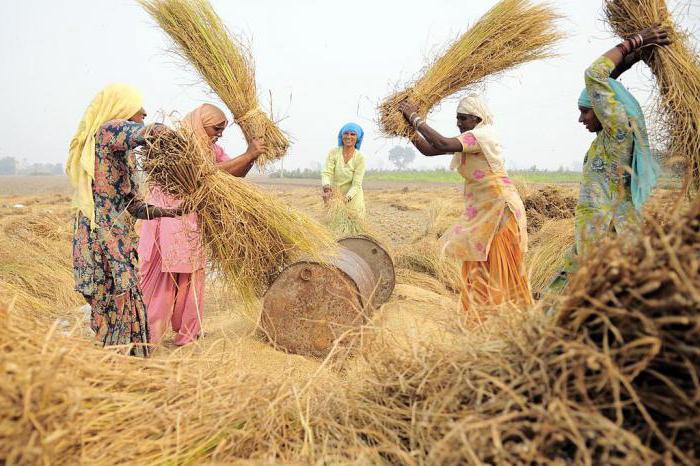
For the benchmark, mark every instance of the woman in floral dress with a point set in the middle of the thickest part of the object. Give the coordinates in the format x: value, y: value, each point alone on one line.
x: 101, y: 167
x: 490, y: 238
x: 618, y: 170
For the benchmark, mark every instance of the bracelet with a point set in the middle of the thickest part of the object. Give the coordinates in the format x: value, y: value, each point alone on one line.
x: 418, y: 122
x: 624, y: 47
x: 412, y: 115
x: 641, y: 40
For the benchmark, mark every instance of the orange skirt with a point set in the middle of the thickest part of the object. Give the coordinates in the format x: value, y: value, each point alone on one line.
x: 501, y: 278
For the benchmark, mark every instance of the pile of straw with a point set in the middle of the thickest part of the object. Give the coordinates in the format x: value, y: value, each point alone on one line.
x: 250, y: 235
x: 225, y: 63
x: 512, y: 33
x: 633, y: 315
x: 677, y: 71
x: 547, y: 203
x: 343, y: 220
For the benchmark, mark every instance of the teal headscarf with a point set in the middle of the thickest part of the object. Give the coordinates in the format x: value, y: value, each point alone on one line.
x: 644, y: 167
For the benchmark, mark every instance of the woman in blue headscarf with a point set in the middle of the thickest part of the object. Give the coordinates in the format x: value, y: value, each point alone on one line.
x: 345, y: 169
x: 618, y: 171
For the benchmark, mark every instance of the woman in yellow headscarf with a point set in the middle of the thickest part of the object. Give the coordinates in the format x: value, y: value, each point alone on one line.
x: 101, y: 168
x: 170, y: 249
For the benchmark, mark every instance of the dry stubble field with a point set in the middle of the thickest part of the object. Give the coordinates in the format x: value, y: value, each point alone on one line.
x: 427, y: 386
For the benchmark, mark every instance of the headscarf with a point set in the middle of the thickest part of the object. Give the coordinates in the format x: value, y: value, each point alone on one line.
x: 484, y: 133
x: 355, y: 128
x: 116, y: 101
x: 201, y: 117
x: 644, y: 167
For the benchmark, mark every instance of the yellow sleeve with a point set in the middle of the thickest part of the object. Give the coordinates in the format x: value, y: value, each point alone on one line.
x: 327, y: 172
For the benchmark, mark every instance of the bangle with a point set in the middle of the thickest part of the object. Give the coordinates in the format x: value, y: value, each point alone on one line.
x: 624, y: 47
x: 412, y: 115
x: 641, y: 40
x: 418, y: 121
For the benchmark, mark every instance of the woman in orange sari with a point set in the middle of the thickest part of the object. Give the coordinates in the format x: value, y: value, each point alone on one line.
x: 490, y: 238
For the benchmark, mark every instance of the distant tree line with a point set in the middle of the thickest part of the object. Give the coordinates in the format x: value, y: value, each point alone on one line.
x: 11, y: 166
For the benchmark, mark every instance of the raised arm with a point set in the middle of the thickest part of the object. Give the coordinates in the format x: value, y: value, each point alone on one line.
x: 241, y: 165
x: 613, y: 63
x: 123, y: 135
x: 428, y: 141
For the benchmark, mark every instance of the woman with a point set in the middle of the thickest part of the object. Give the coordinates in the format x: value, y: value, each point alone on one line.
x: 345, y: 169
x: 491, y: 236
x: 170, y: 249
x: 101, y: 167
x: 618, y: 170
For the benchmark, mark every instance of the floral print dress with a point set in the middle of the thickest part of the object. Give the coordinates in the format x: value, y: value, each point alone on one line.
x: 489, y: 196
x: 104, y: 257
x: 605, y: 199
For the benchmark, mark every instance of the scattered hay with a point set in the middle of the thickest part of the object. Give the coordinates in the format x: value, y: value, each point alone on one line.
x: 223, y: 62
x: 421, y: 280
x: 549, y: 202
x: 677, y: 71
x: 547, y: 251
x: 250, y: 235
x: 35, y: 264
x: 511, y: 33
x: 424, y: 257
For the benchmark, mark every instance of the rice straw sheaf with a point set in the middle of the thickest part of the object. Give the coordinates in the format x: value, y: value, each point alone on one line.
x: 341, y: 219
x: 677, y: 71
x: 249, y: 235
x: 512, y: 33
x: 224, y: 62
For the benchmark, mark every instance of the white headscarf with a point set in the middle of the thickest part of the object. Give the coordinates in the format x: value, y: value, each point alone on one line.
x: 484, y: 133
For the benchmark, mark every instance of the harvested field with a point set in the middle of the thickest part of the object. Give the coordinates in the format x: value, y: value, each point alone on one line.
x: 611, y: 379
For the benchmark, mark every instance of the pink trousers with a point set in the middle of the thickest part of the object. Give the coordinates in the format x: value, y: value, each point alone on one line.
x: 177, y: 298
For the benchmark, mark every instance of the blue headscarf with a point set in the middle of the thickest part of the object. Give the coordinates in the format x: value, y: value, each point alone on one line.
x: 355, y: 128
x: 644, y: 167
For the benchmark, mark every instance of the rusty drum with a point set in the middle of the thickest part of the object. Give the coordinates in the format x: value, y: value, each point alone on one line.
x: 311, y: 304
x: 378, y: 260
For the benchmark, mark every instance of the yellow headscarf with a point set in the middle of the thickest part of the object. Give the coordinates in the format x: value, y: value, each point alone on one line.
x: 115, y: 101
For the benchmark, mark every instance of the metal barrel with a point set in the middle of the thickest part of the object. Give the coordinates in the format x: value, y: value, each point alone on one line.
x: 310, y: 304
x: 378, y: 259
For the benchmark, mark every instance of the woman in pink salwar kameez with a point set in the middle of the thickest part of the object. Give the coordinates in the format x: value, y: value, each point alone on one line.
x: 170, y: 249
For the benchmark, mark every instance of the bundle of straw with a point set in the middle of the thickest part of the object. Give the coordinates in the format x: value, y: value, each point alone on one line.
x: 343, y: 220
x: 250, y: 235
x: 511, y: 33
x: 223, y: 61
x: 677, y: 71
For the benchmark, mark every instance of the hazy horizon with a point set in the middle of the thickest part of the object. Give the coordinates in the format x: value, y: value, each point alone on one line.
x: 323, y: 63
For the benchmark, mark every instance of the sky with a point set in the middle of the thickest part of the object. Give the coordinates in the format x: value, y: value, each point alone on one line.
x: 319, y: 64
